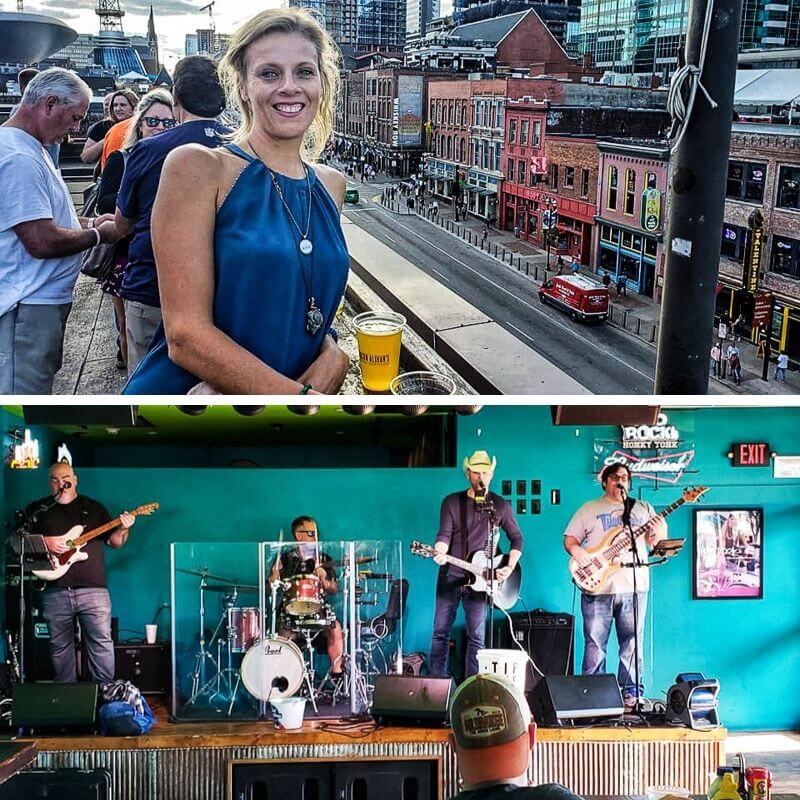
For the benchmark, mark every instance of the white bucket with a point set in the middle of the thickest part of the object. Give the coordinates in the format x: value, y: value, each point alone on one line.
x: 509, y: 664
x: 289, y: 711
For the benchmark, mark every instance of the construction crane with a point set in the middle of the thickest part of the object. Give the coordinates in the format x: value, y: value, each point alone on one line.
x: 210, y: 9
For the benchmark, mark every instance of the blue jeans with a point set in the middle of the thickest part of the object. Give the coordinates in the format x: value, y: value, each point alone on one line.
x: 598, y: 613
x: 92, y: 609
x: 780, y: 374
x: 449, y: 592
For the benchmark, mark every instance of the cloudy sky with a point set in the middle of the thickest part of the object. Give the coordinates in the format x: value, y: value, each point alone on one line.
x: 174, y: 18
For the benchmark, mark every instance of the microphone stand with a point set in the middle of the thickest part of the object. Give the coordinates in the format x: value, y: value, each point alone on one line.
x: 488, y: 507
x: 635, y: 562
x: 22, y: 531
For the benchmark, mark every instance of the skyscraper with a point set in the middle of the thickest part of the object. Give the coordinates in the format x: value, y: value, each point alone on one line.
x: 381, y: 25
x: 338, y: 17
x: 112, y: 48
x: 766, y: 24
x: 418, y: 14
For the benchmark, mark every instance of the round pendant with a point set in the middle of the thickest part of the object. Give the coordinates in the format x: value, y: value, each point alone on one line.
x: 306, y: 247
x: 314, y: 320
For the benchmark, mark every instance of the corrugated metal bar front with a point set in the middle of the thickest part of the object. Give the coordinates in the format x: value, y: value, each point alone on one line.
x: 201, y: 773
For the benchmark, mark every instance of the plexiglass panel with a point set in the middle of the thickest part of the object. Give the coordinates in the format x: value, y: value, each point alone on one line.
x: 256, y: 624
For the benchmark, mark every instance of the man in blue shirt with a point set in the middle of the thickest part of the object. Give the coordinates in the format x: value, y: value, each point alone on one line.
x: 198, y: 99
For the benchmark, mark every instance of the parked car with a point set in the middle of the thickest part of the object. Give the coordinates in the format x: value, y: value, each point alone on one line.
x: 579, y: 297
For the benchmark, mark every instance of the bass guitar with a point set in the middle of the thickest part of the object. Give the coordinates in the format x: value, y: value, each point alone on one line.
x: 592, y: 578
x: 75, y: 539
x: 504, y: 593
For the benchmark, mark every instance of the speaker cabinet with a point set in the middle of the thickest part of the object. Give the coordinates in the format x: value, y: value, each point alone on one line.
x: 385, y: 780
x: 406, y: 700
x: 146, y: 666
x: 53, y: 705
x: 605, y: 415
x: 73, y: 784
x: 297, y: 781
x: 559, y: 698
x: 548, y: 638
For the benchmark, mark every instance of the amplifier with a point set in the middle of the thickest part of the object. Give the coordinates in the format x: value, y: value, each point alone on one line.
x: 146, y: 666
x: 547, y: 637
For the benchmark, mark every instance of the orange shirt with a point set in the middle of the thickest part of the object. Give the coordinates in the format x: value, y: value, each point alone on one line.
x: 114, y: 138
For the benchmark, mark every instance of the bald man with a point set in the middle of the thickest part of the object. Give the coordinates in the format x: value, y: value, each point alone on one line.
x: 81, y: 593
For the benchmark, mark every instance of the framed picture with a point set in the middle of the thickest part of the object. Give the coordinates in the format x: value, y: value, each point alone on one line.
x: 728, y: 553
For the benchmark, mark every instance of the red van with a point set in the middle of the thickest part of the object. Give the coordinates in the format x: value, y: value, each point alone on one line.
x: 581, y: 298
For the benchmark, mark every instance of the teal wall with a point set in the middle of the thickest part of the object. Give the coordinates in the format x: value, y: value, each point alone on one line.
x: 752, y: 646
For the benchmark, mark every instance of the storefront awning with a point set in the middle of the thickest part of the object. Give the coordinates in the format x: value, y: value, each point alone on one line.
x: 480, y: 190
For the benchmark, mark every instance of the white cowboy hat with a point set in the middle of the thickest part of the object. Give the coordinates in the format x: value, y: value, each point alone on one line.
x: 479, y: 461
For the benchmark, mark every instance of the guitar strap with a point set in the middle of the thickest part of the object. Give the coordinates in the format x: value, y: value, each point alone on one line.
x: 463, y: 526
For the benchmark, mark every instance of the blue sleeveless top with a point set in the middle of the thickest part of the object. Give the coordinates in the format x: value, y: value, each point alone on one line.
x: 261, y: 296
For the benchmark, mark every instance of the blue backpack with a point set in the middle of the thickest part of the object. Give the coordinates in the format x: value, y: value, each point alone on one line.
x: 122, y: 719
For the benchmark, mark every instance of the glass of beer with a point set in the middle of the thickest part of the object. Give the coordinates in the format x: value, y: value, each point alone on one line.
x: 379, y: 334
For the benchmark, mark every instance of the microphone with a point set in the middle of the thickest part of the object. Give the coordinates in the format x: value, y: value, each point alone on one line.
x: 627, y: 505
x: 480, y: 496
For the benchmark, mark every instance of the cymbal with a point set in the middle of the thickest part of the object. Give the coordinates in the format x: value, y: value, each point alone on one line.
x: 230, y: 583
x: 359, y: 560
x: 224, y: 587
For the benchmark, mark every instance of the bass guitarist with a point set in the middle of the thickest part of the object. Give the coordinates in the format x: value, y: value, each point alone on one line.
x: 587, y: 528
x: 466, y: 521
x: 80, y: 594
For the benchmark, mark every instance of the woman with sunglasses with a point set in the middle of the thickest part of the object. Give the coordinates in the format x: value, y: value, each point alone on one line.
x: 252, y: 261
x: 153, y: 114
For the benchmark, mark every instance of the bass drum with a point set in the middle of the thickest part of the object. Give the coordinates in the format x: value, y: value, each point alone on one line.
x: 273, y: 668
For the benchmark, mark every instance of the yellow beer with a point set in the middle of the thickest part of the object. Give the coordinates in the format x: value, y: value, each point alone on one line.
x: 379, y: 334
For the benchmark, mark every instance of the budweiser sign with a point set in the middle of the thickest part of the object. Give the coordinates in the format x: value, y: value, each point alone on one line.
x: 668, y: 468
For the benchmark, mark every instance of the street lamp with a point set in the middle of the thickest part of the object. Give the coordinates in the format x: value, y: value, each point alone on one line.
x: 549, y: 219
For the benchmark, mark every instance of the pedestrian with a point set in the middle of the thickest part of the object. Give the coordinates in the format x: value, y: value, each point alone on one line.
x: 715, y: 356
x: 606, y: 279
x: 198, y: 100
x: 435, y: 208
x: 41, y: 237
x: 622, y: 286
x: 560, y: 265
x: 781, y: 367
x: 485, y: 235
x: 225, y: 326
x: 576, y: 267
x: 734, y: 362
x: 516, y: 231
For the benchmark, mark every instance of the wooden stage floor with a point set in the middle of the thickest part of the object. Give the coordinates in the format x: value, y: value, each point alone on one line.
x: 192, y: 761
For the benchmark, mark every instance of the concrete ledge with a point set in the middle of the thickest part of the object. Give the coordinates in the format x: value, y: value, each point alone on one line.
x: 483, y: 352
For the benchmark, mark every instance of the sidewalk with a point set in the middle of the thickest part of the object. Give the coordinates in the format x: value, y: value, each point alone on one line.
x: 636, y: 314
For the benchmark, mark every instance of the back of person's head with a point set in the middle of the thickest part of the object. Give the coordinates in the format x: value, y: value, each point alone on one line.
x: 25, y: 76
x: 492, y: 729
x: 285, y: 20
x: 56, y: 82
x: 142, y: 107
x: 196, y: 86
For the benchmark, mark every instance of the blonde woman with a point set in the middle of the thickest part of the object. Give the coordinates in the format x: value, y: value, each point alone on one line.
x: 153, y: 114
x: 250, y: 253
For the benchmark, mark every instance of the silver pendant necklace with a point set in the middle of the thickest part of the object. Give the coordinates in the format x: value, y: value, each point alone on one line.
x: 313, y: 317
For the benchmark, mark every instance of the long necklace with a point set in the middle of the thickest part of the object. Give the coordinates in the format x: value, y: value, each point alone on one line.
x: 314, y: 318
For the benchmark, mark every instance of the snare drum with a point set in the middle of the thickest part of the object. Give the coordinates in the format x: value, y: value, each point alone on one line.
x: 244, y: 628
x: 304, y: 596
x: 273, y: 668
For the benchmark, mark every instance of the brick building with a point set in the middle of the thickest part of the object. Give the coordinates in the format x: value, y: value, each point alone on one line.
x: 763, y: 175
x: 350, y: 116
x: 449, y: 115
x: 629, y: 234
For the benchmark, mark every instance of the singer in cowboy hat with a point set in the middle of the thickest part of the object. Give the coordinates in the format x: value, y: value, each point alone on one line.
x: 466, y: 520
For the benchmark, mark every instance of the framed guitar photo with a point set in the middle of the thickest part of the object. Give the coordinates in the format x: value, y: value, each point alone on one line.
x: 728, y: 554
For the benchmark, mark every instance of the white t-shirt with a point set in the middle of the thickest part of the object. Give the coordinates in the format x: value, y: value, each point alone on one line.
x: 32, y: 188
x: 783, y: 361
x: 591, y: 522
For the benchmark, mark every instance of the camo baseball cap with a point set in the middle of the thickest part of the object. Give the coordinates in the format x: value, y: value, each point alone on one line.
x: 488, y: 710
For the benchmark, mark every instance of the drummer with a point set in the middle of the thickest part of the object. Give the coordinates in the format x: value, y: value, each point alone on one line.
x: 306, y: 559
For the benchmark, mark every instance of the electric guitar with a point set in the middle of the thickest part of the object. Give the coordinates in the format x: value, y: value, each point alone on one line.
x: 594, y: 576
x: 504, y: 593
x: 75, y: 538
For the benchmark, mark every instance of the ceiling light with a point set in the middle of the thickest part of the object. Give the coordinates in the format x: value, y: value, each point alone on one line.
x: 358, y: 411
x: 414, y: 411
x: 248, y: 411
x: 466, y: 411
x: 192, y: 411
x: 304, y: 411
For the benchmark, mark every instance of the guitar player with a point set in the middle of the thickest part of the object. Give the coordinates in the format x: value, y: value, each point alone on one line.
x: 80, y: 594
x: 587, y: 528
x: 465, y: 521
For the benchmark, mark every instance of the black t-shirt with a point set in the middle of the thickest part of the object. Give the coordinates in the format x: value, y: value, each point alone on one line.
x: 98, y: 131
x: 57, y: 520
x: 507, y: 791
x: 292, y: 565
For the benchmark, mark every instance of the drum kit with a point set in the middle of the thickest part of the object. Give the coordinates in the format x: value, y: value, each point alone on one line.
x: 276, y: 658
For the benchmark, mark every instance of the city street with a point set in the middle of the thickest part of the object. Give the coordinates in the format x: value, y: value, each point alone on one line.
x: 602, y: 358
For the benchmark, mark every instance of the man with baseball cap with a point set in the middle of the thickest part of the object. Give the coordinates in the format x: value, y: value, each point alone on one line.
x: 493, y: 735
x: 466, y: 520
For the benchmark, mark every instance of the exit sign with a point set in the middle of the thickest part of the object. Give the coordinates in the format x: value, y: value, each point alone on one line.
x: 751, y: 454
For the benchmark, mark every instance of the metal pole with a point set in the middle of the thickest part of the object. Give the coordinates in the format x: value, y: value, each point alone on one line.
x: 696, y: 207
x: 768, y: 340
